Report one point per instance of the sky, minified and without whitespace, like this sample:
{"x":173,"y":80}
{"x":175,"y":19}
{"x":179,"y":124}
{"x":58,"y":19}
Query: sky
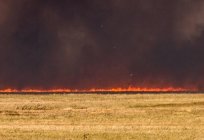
{"x":82,"y":44}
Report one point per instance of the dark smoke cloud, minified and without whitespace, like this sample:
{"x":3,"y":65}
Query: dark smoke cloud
{"x":101,"y":44}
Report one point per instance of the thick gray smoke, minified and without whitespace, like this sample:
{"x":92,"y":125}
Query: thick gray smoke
{"x":81,"y":44}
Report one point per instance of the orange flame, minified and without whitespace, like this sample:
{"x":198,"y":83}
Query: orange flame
{"x":129,"y":89}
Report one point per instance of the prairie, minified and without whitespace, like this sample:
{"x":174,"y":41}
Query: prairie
{"x":101,"y":116}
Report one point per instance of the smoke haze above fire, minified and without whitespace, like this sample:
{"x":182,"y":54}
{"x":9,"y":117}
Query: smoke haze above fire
{"x":81,"y":44}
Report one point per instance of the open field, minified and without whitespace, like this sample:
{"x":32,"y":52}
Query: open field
{"x":96,"y":116}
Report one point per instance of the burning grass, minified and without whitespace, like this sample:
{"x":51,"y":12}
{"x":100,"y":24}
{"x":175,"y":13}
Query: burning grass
{"x":97,"y":116}
{"x":94,"y":90}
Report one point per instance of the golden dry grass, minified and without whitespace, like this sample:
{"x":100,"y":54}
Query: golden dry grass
{"x":97,"y":116}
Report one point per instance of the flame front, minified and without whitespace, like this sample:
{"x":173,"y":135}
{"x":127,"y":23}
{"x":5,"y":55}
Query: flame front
{"x":129,"y":89}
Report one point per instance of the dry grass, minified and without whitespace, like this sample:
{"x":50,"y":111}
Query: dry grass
{"x":108,"y":117}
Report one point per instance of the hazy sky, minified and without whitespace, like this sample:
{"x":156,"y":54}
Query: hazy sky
{"x":101,"y":43}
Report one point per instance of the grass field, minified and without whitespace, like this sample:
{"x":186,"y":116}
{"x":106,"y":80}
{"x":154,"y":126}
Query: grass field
{"x":96,"y":116}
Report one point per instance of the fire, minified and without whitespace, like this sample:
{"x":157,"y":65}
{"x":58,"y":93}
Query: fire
{"x":129,"y":89}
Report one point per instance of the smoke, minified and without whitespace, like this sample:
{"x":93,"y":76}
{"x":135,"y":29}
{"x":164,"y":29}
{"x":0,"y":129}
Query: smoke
{"x":101,"y":44}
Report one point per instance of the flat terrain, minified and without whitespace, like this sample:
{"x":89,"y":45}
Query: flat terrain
{"x":97,"y":116}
